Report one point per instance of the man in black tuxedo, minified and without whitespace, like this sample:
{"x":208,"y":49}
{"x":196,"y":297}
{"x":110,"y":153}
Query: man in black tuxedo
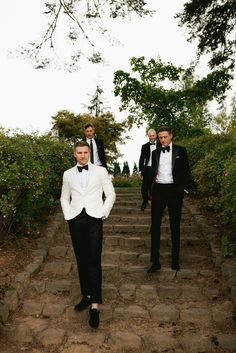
{"x":97,"y":151}
{"x":170,"y":178}
{"x":145,"y":165}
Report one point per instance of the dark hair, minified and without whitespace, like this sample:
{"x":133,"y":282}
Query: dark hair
{"x":88,"y":125}
{"x":81,"y":144}
{"x":164,"y":128}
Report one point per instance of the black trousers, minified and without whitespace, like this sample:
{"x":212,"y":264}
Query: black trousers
{"x":166,"y":195}
{"x":146,"y":183}
{"x":86,"y":235}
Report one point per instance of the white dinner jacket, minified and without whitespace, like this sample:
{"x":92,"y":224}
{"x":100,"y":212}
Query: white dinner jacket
{"x":74,"y":198}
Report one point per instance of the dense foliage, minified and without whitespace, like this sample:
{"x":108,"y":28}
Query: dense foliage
{"x":212,"y":160}
{"x":127,"y":181}
{"x":31,"y":169}
{"x":71,"y":126}
{"x":162,"y":94}
{"x":213,"y":23}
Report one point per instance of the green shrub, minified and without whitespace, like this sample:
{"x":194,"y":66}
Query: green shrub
{"x":127,"y":181}
{"x":228,"y":191}
{"x":228,"y":249}
{"x":209,"y":174}
{"x":31,"y":169}
{"x":198,"y":147}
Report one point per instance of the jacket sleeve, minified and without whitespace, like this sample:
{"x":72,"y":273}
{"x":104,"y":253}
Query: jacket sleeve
{"x":141,"y":160}
{"x":187,"y":173}
{"x":101,"y":152}
{"x":65,"y":196}
{"x":109,"y":192}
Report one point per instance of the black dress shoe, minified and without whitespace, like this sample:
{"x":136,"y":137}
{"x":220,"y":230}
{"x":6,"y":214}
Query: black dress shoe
{"x":154,"y":267}
{"x":83,"y":304}
{"x":143,"y":206}
{"x":94,"y":317}
{"x":175,"y":266}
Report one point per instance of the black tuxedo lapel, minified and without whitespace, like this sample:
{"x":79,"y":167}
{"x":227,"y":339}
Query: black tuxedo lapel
{"x":158,"y":153}
{"x":175,"y":150}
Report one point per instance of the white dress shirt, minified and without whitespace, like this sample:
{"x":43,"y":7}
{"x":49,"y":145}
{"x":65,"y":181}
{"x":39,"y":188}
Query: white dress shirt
{"x":152,"y":148}
{"x":83,"y":177}
{"x":96,"y":159}
{"x":164,"y":174}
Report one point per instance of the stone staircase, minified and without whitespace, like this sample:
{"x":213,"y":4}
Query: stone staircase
{"x":189,"y":311}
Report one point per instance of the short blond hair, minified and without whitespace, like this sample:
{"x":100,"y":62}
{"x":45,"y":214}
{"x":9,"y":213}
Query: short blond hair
{"x":150,"y":131}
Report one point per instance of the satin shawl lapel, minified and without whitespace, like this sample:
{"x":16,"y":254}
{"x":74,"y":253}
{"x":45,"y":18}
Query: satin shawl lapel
{"x":91,"y":178}
{"x":90,"y":181}
{"x":75,"y":176}
{"x":174,"y":154}
{"x":158,"y":153}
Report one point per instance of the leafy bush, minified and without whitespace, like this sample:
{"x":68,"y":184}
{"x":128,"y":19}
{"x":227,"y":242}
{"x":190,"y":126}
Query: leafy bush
{"x":228,"y":191}
{"x":127,"y":181}
{"x":228,"y":249}
{"x":209,"y":173}
{"x":31,"y":169}
{"x":198,"y":147}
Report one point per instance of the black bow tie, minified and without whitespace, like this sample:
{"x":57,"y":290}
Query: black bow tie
{"x":167,"y":148}
{"x":81,"y":168}
{"x":152,"y":143}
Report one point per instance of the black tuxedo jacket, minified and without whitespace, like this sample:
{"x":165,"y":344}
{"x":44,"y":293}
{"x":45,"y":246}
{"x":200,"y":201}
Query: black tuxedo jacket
{"x":180,"y":166}
{"x":145,"y":155}
{"x":101,"y":151}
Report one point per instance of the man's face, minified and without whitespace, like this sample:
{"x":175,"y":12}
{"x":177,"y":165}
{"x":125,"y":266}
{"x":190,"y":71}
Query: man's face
{"x":152,"y":136}
{"x":165,"y":138}
{"x":81,"y":154}
{"x":89,"y":132}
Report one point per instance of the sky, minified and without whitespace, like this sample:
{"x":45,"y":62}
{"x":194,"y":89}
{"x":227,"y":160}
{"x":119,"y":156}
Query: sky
{"x":29,"y":97}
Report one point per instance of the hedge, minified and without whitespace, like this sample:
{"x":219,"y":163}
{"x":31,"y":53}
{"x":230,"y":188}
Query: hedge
{"x":213,"y":165}
{"x":31,"y":169}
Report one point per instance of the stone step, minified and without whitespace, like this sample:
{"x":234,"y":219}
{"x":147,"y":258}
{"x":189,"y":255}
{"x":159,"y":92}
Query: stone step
{"x":129,"y":210}
{"x":130,"y":219}
{"x":154,"y":312}
{"x":143,"y":218}
{"x":145,"y":228}
{"x":186,"y":295}
{"x":120,"y":340}
{"x":125,"y":338}
{"x":134,"y":242}
{"x":189,"y":311}
{"x":123,"y":259}
{"x":138,"y":273}
{"x":126,"y":257}
{"x":130,"y":202}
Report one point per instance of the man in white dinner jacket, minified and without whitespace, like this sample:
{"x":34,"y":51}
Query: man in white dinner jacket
{"x":84,"y":209}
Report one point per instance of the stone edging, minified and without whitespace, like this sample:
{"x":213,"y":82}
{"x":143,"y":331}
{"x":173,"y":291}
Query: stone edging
{"x":14,"y":296}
